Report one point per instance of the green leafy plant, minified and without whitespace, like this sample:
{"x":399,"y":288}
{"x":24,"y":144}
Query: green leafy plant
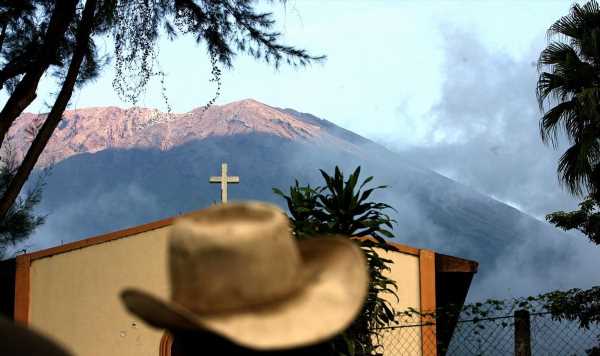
{"x":342,"y":207}
{"x":586,"y":219}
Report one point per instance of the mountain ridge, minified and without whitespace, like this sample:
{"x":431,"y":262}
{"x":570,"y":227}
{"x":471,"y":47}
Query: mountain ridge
{"x":93,"y":129}
{"x":118,"y":175}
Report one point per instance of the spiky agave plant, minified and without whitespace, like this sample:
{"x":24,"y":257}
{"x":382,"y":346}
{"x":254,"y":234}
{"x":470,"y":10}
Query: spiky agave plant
{"x":343,"y":207}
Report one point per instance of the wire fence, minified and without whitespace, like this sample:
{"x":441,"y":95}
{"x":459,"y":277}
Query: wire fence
{"x":505,"y":331}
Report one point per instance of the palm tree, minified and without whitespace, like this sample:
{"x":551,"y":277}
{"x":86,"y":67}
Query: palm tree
{"x":572,"y":84}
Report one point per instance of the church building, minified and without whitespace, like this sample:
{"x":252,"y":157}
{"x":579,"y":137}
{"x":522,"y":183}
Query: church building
{"x":71,"y":292}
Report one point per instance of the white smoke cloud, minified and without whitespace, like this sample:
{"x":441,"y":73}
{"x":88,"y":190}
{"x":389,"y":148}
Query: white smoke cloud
{"x":485,"y":134}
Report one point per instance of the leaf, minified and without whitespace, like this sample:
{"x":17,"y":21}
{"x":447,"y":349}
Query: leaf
{"x":386,"y":233}
{"x":365,"y":182}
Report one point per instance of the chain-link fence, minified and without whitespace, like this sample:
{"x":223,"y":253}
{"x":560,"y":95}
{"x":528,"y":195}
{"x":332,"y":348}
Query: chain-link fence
{"x":502,"y":331}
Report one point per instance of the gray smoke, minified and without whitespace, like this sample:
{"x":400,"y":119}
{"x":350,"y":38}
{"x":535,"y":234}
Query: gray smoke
{"x":486,"y":136}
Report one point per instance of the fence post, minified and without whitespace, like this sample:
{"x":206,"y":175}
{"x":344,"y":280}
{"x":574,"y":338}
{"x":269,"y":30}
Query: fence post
{"x":428,"y":303}
{"x":522,"y":333}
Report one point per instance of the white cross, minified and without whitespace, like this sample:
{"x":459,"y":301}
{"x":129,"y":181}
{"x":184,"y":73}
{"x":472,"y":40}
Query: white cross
{"x":224,"y":180}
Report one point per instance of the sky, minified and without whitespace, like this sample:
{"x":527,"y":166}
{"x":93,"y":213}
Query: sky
{"x":449,"y":85}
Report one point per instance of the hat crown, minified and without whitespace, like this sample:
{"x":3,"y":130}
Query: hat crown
{"x":232,"y":256}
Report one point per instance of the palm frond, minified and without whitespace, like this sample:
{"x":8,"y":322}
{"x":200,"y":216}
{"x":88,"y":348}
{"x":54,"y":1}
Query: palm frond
{"x":550,"y":124}
{"x":575,"y":166}
{"x":555,"y":87}
{"x":581,"y":28}
{"x":568,"y":93}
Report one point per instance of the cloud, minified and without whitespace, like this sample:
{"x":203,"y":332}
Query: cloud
{"x":72,"y":222}
{"x":484,"y":132}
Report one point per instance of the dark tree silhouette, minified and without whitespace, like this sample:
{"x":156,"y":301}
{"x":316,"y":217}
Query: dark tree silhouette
{"x":20,"y":221}
{"x":572,"y":85}
{"x":61,"y":34}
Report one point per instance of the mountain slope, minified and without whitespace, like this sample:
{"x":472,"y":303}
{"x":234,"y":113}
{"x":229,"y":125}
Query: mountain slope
{"x":111,"y":174}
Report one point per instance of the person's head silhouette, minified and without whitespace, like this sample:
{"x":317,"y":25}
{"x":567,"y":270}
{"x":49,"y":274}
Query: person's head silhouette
{"x":21,"y":340}
{"x":195,"y":342}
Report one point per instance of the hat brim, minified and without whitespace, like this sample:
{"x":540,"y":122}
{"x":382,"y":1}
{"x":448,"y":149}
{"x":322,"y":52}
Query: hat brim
{"x":324,"y":306}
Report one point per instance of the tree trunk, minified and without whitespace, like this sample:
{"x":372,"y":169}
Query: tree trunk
{"x":3,"y":34}
{"x":25,"y":92}
{"x":55,"y":115}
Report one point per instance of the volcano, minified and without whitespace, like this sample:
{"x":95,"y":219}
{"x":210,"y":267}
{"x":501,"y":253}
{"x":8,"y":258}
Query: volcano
{"x":114,"y":168}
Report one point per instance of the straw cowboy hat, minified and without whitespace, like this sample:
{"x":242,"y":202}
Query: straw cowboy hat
{"x":22,"y":341}
{"x":236,"y":271}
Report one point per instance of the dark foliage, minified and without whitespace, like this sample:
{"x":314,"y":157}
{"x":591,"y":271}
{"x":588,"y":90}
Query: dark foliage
{"x":586,"y":219}
{"x":572,"y":84}
{"x":574,"y":305}
{"x":582,"y":306}
{"x":41,"y":36}
{"x":21,"y":35}
{"x":20,"y":221}
{"x":342,"y":207}
{"x":225,"y":27}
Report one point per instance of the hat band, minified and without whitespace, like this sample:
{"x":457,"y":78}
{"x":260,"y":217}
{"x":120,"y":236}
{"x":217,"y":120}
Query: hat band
{"x":301,"y":280}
